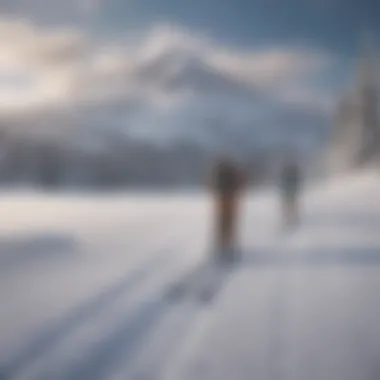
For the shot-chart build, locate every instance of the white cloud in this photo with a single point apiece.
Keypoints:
(23, 43)
(169, 74)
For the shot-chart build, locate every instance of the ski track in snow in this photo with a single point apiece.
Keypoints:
(300, 306)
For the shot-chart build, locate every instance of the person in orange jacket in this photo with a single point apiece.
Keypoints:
(227, 183)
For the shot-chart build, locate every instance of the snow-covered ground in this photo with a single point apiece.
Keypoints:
(84, 281)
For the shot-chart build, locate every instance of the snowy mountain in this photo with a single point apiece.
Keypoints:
(165, 85)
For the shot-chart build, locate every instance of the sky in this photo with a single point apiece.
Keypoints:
(165, 69)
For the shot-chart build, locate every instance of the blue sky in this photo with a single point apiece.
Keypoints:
(328, 24)
(336, 26)
(331, 24)
(281, 65)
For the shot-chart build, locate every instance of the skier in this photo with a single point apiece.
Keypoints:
(290, 183)
(228, 181)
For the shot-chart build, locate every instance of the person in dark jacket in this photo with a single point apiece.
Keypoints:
(290, 186)
(227, 182)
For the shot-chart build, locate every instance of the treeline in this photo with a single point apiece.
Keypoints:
(118, 162)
